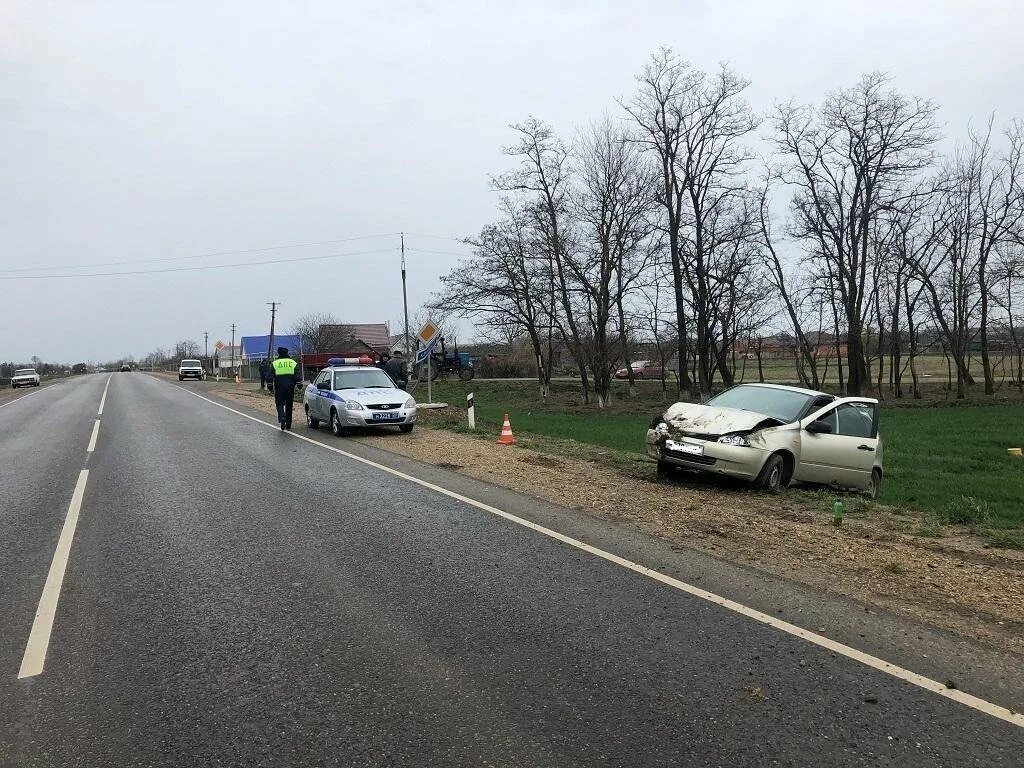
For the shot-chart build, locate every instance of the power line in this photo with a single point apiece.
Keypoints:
(200, 268)
(197, 256)
(439, 253)
(436, 237)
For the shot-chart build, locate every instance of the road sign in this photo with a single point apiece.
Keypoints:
(428, 332)
(424, 352)
(219, 346)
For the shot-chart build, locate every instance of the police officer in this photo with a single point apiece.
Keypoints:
(286, 376)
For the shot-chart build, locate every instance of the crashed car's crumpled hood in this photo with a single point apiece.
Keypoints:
(709, 420)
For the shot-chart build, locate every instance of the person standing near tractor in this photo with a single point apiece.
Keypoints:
(396, 369)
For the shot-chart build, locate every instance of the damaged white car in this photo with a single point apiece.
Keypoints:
(772, 435)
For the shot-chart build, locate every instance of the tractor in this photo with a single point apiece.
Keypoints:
(445, 362)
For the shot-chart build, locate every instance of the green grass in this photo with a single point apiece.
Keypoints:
(946, 464)
(953, 462)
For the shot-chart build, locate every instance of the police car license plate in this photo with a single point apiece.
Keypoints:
(387, 416)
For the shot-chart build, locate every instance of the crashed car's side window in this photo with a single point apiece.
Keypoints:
(856, 420)
(830, 419)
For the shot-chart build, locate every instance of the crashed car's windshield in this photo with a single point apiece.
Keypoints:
(782, 404)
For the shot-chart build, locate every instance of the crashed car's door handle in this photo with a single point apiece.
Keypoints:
(865, 448)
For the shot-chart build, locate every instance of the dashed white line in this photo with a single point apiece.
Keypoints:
(974, 702)
(103, 399)
(92, 438)
(39, 638)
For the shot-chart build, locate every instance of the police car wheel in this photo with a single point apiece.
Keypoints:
(336, 429)
(310, 421)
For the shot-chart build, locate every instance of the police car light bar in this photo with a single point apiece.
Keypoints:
(363, 360)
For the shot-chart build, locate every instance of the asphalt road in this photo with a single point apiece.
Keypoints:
(235, 596)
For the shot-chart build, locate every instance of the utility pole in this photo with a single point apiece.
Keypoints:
(233, 348)
(405, 304)
(206, 345)
(270, 343)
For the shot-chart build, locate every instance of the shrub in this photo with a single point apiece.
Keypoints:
(966, 510)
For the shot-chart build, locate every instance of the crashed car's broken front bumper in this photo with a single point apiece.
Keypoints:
(744, 462)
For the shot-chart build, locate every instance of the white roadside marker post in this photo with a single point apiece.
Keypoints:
(470, 411)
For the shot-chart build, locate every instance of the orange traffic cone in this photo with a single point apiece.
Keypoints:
(507, 438)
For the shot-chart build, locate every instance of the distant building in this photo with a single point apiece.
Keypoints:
(351, 336)
(254, 348)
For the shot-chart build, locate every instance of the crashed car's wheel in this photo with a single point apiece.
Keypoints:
(310, 421)
(876, 484)
(336, 429)
(664, 470)
(772, 474)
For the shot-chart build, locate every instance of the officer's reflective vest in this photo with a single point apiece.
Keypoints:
(285, 366)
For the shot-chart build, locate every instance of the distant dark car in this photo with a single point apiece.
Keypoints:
(642, 369)
(126, 369)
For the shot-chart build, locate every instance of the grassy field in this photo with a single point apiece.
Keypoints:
(944, 459)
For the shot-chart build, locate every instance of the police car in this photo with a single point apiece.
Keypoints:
(352, 392)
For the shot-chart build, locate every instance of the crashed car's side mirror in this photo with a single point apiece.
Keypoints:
(819, 427)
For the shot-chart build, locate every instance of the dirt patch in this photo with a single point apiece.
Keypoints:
(952, 582)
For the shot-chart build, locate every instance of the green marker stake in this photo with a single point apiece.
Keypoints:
(837, 509)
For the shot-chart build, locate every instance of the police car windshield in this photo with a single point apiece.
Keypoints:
(362, 378)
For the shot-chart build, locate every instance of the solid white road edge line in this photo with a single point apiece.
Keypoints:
(92, 438)
(104, 398)
(974, 702)
(39, 638)
(19, 399)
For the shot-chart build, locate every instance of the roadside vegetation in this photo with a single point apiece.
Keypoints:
(945, 460)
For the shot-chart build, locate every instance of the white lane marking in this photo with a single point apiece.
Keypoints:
(104, 398)
(92, 438)
(979, 704)
(39, 638)
(19, 399)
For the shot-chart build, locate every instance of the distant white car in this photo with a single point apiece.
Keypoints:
(190, 369)
(25, 377)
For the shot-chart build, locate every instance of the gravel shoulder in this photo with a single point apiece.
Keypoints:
(952, 582)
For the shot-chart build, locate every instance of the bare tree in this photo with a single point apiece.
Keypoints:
(318, 332)
(659, 108)
(781, 280)
(184, 350)
(850, 161)
(994, 186)
(543, 177)
(611, 205)
(505, 284)
(1008, 277)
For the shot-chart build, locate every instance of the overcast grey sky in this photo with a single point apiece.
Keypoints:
(143, 130)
